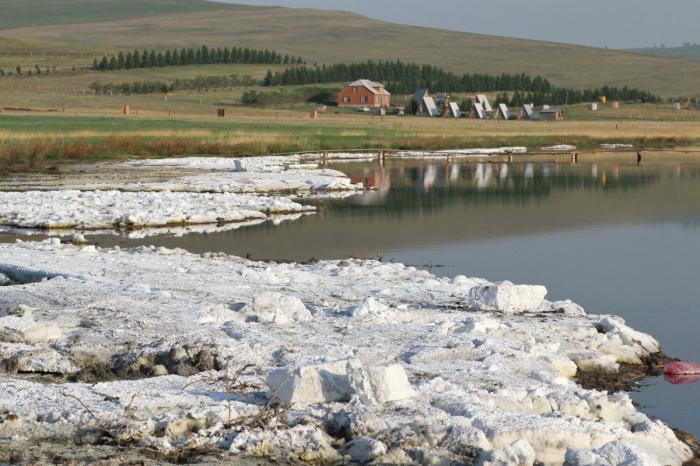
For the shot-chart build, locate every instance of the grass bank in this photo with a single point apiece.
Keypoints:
(43, 142)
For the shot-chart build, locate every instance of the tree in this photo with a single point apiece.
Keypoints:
(268, 79)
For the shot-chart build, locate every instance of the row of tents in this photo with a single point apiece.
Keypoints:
(481, 108)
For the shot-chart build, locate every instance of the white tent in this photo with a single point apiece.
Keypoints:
(481, 98)
(430, 106)
(528, 112)
(502, 112)
(478, 111)
(454, 110)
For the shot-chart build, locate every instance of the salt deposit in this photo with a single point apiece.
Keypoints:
(92, 210)
(411, 368)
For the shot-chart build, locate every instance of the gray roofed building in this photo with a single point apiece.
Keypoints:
(373, 87)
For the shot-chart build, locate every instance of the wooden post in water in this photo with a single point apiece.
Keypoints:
(574, 157)
(510, 158)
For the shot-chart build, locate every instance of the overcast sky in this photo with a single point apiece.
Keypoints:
(612, 23)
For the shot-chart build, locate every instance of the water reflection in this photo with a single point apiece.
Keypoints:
(425, 177)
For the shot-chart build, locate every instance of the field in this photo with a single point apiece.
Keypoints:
(42, 142)
(690, 52)
(327, 36)
(52, 116)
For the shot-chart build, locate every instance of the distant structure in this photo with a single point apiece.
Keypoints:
(451, 110)
(364, 93)
(477, 111)
(551, 114)
(528, 113)
(484, 101)
(502, 112)
(425, 104)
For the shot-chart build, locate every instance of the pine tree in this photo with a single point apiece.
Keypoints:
(268, 79)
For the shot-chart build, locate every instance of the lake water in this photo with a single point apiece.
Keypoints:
(614, 236)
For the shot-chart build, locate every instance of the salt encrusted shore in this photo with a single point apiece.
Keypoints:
(231, 191)
(94, 210)
(334, 361)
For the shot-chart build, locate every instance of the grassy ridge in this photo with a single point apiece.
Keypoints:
(691, 52)
(331, 37)
(23, 13)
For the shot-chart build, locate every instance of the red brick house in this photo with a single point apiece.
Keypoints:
(364, 93)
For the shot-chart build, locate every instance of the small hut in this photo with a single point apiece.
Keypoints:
(452, 110)
(425, 104)
(551, 114)
(527, 113)
(502, 112)
(477, 111)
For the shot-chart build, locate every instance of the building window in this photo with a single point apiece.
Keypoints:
(346, 99)
(363, 99)
(354, 90)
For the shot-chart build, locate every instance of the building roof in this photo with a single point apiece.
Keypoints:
(430, 106)
(478, 109)
(551, 110)
(481, 98)
(454, 108)
(373, 87)
(420, 93)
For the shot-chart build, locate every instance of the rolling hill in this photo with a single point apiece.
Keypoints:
(331, 36)
(689, 52)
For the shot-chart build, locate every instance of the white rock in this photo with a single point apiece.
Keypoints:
(568, 307)
(301, 443)
(379, 384)
(362, 450)
(518, 453)
(629, 336)
(25, 330)
(271, 307)
(369, 307)
(507, 297)
(320, 383)
(595, 362)
(617, 453)
(562, 365)
(44, 360)
(479, 325)
(4, 279)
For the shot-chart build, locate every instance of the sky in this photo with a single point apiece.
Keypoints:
(600, 23)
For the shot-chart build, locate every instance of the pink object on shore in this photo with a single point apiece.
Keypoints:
(682, 368)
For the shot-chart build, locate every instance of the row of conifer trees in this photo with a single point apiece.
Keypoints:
(193, 56)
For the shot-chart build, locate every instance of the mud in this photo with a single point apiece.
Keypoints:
(628, 376)
(185, 360)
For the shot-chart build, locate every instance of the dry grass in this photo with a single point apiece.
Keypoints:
(327, 36)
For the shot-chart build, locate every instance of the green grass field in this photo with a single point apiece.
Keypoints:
(327, 36)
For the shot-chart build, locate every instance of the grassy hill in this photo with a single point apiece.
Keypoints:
(690, 52)
(23, 13)
(330, 36)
